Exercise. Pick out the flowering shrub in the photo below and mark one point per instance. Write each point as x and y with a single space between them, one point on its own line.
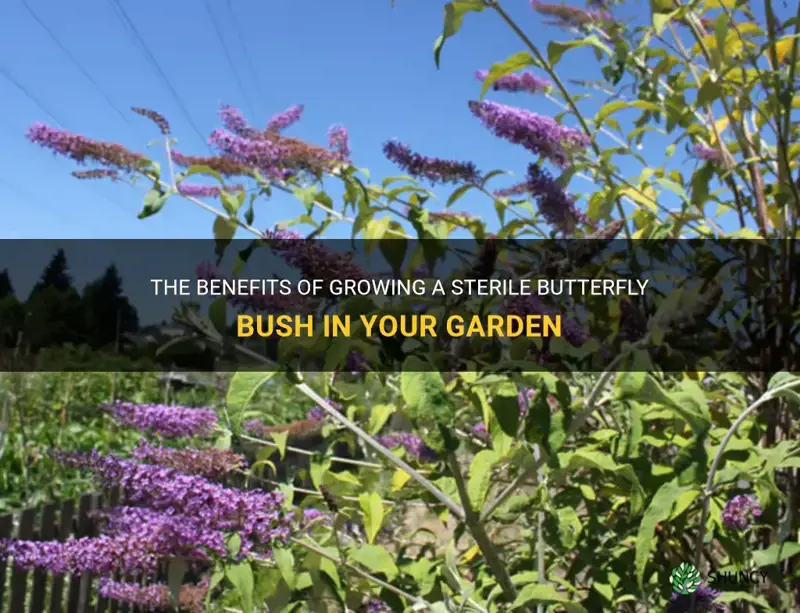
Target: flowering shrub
584 489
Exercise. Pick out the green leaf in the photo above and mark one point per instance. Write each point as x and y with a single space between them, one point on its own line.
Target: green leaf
546 594
505 406
782 378
643 387
658 510
457 193
376 559
218 313
375 230
453 17
425 392
588 458
224 230
612 107
394 248
241 576
372 506
556 49
284 560
242 388
480 476
730 597
280 439
502 69
176 571
660 20
378 415
775 553
154 201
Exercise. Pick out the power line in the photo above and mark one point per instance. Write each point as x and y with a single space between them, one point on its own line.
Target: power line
28 94
75 62
133 31
47 111
247 56
229 58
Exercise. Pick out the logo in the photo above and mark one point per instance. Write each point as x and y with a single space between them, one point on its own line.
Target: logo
737 578
685 579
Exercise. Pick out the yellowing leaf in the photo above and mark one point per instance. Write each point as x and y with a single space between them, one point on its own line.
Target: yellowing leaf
399 479
719 125
783 48
470 554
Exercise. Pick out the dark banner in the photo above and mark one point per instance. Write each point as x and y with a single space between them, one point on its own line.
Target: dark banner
497 304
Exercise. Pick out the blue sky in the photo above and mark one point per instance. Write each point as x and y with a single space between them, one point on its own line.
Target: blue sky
364 64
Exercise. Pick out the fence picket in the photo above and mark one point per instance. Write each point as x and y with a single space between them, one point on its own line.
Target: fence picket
65 530
47 531
19 578
6 526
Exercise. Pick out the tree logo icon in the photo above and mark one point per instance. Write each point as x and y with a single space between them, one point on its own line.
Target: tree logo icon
685 579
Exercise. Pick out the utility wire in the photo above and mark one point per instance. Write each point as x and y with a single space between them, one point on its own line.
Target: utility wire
235 72
247 56
47 111
130 27
75 62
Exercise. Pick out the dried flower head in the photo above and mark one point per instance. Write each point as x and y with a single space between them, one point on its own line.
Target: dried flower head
223 165
210 463
154 597
156 118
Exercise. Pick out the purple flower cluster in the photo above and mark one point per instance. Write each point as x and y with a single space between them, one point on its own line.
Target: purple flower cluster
523 82
570 15
97 173
312 258
283 120
234 121
525 397
265 155
156 118
257 516
169 533
374 605
556 206
257 302
318 413
538 134
82 149
434 170
480 432
739 511
168 421
704 602
210 463
412 443
154 597
205 191
339 142
706 153
313 515
100 555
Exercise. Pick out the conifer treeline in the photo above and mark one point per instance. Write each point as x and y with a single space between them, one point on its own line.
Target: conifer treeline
55 313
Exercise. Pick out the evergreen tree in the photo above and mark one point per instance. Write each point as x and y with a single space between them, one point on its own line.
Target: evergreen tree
12 315
6 288
109 314
54 311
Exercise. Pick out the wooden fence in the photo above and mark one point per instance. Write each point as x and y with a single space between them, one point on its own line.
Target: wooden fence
42 592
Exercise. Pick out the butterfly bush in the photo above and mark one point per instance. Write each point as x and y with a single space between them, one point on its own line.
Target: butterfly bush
739 512
165 420
480 432
211 462
281 121
707 154
412 443
521 82
435 170
82 149
206 191
154 597
256 515
538 134
374 605
704 599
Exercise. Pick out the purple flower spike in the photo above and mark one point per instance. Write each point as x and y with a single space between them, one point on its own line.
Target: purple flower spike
538 134
434 170
82 149
234 121
339 142
522 82
168 421
154 597
210 463
283 120
480 432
